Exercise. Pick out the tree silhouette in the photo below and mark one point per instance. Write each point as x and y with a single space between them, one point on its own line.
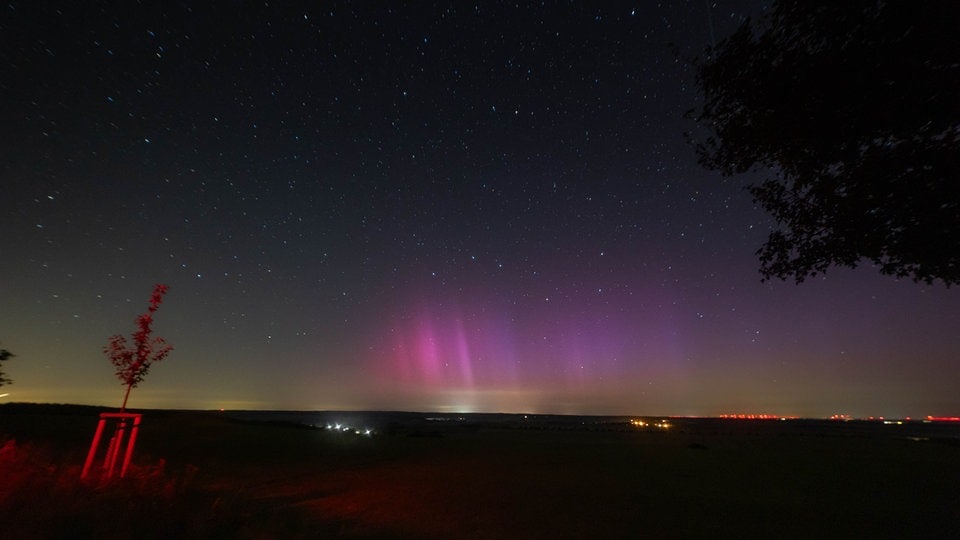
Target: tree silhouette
854 110
134 362
4 355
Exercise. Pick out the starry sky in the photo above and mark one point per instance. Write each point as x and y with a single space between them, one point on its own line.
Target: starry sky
437 207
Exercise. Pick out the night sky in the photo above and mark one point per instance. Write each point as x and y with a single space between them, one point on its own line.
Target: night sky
436 207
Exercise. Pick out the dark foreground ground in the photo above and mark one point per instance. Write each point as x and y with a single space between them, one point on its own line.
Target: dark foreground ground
216 475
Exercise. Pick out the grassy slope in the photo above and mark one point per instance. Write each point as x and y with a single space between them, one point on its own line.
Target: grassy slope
225 478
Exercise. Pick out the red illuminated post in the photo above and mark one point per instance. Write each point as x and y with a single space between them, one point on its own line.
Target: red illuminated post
93 447
133 441
116 444
114 450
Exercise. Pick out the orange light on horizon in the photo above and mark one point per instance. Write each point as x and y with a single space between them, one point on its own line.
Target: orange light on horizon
662 424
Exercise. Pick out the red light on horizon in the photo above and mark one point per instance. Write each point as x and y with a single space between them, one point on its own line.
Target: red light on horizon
755 416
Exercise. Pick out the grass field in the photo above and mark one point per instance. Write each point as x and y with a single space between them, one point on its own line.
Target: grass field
206 475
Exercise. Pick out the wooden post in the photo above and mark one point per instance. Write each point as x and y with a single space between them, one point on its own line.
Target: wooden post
93 447
116 444
130 443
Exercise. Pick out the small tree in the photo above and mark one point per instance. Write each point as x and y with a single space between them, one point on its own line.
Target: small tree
134 362
4 355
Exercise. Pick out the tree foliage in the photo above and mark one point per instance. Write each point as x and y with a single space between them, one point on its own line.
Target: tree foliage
853 108
5 355
133 361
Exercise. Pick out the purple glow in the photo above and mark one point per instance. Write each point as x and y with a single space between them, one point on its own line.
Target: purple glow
353 218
